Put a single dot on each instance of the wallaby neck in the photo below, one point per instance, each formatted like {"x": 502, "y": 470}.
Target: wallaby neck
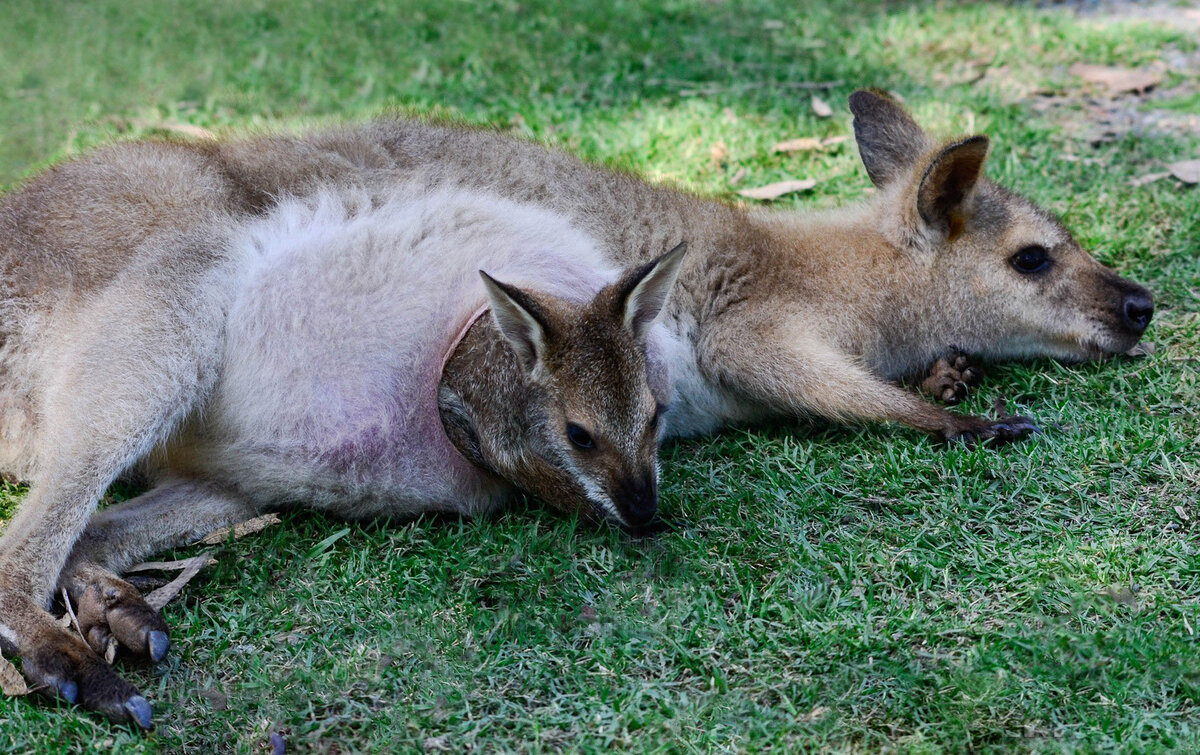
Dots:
{"x": 870, "y": 293}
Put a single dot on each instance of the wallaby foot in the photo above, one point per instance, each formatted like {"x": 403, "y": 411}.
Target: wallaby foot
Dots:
{"x": 972, "y": 430}
{"x": 59, "y": 663}
{"x": 951, "y": 378}
{"x": 112, "y": 614}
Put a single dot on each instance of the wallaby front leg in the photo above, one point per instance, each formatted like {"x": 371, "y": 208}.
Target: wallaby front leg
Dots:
{"x": 109, "y": 609}
{"x": 791, "y": 372}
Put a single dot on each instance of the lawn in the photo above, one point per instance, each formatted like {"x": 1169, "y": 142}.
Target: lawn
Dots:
{"x": 832, "y": 588}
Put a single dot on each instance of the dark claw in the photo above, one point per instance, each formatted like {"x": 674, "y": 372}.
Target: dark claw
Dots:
{"x": 972, "y": 376}
{"x": 140, "y": 711}
{"x": 1000, "y": 431}
{"x": 158, "y": 644}
{"x": 68, "y": 689}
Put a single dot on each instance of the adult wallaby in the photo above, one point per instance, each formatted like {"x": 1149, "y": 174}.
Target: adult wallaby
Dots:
{"x": 340, "y": 352}
{"x": 781, "y": 314}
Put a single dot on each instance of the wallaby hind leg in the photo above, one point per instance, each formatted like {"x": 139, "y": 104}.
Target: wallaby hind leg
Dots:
{"x": 133, "y": 365}
{"x": 781, "y": 365}
{"x": 112, "y": 612}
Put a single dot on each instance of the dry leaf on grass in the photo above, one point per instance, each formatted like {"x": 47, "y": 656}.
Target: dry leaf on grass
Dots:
{"x": 249, "y": 527}
{"x": 165, "y": 594}
{"x": 1116, "y": 80}
{"x": 163, "y": 565}
{"x": 1187, "y": 171}
{"x": 776, "y": 190}
{"x": 719, "y": 152}
{"x": 821, "y": 108}
{"x": 808, "y": 143}
{"x": 802, "y": 144}
{"x": 183, "y": 129}
{"x": 12, "y": 683}
{"x": 1148, "y": 178}
{"x": 737, "y": 176}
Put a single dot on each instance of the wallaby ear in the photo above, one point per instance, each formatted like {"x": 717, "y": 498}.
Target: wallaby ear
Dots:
{"x": 643, "y": 291}
{"x": 521, "y": 320}
{"x": 889, "y": 140}
{"x": 947, "y": 183}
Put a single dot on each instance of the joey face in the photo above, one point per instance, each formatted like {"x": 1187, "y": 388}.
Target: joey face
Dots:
{"x": 592, "y": 430}
{"x": 584, "y": 430}
{"x": 1009, "y": 279}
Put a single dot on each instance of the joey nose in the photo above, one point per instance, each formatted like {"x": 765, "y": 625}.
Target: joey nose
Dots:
{"x": 1138, "y": 308}
{"x": 639, "y": 500}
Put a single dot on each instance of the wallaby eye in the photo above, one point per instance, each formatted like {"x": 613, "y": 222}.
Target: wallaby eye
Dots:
{"x": 1031, "y": 259}
{"x": 579, "y": 437}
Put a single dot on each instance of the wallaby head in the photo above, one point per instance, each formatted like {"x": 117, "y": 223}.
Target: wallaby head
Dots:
{"x": 1010, "y": 279}
{"x": 582, "y": 433}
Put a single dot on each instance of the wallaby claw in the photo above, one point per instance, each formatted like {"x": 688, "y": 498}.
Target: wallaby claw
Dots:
{"x": 140, "y": 712}
{"x": 66, "y": 689}
{"x": 158, "y": 644}
{"x": 951, "y": 378}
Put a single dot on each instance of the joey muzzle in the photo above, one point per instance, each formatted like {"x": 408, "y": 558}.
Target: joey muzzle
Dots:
{"x": 1138, "y": 309}
{"x": 637, "y": 499}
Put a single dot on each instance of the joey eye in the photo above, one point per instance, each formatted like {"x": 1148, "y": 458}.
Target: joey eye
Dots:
{"x": 1031, "y": 259}
{"x": 581, "y": 438}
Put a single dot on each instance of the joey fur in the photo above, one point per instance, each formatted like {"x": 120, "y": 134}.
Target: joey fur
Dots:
{"x": 345, "y": 351}
{"x": 775, "y": 315}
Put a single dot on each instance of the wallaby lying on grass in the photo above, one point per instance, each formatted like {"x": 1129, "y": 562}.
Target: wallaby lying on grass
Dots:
{"x": 335, "y": 353}
{"x": 112, "y": 338}
{"x": 782, "y": 313}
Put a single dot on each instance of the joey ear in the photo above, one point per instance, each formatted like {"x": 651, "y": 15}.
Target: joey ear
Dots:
{"x": 948, "y": 182}
{"x": 520, "y": 319}
{"x": 889, "y": 140}
{"x": 643, "y": 291}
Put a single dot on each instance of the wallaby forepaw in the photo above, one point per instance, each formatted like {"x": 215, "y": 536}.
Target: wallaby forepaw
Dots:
{"x": 951, "y": 378}
{"x": 999, "y": 431}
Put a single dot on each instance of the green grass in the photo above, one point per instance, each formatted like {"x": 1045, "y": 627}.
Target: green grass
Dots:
{"x": 834, "y": 588}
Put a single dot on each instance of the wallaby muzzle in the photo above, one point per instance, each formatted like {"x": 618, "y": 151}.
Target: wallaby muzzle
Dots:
{"x": 1134, "y": 309}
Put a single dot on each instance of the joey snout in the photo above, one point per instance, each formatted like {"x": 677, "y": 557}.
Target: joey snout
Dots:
{"x": 636, "y": 498}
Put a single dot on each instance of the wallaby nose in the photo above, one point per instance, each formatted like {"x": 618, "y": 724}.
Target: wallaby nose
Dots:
{"x": 1138, "y": 309}
{"x": 639, "y": 500}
